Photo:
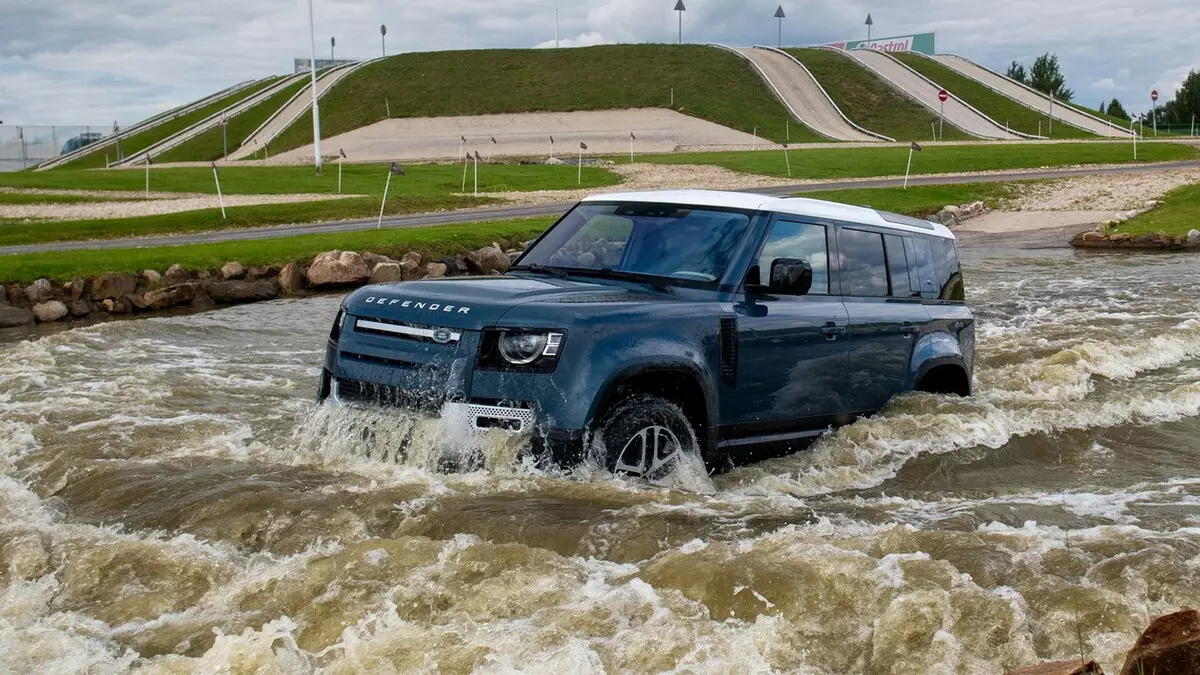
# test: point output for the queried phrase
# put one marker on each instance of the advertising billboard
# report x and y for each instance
(921, 42)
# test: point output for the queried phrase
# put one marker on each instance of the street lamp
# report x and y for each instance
(332, 44)
(870, 22)
(681, 9)
(383, 37)
(779, 14)
(316, 110)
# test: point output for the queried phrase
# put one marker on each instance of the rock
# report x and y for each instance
(176, 275)
(171, 296)
(39, 291)
(82, 308)
(235, 292)
(1073, 667)
(1120, 238)
(513, 256)
(73, 289)
(554, 161)
(257, 273)
(151, 277)
(117, 306)
(16, 294)
(291, 279)
(1130, 215)
(338, 268)
(455, 267)
(410, 270)
(413, 257)
(387, 273)
(1193, 237)
(435, 270)
(3, 295)
(14, 316)
(1171, 644)
(373, 260)
(113, 286)
(487, 260)
(1093, 236)
(233, 270)
(48, 312)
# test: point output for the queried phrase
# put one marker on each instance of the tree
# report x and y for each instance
(1046, 77)
(1101, 107)
(1185, 104)
(1016, 71)
(1115, 109)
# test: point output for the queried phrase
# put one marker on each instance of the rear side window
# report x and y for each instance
(904, 283)
(920, 266)
(948, 271)
(864, 264)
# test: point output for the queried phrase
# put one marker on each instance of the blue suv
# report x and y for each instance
(644, 329)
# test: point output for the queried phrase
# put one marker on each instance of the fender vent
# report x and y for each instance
(729, 351)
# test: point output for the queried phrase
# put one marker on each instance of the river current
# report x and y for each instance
(173, 501)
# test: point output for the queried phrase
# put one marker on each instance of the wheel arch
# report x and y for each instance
(680, 382)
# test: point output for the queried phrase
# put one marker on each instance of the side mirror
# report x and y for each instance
(791, 276)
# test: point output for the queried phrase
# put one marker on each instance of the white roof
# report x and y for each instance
(812, 208)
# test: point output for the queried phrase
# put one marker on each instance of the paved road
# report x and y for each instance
(919, 89)
(801, 93)
(1030, 97)
(545, 210)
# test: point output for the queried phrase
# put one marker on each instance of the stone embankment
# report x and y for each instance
(1106, 236)
(132, 294)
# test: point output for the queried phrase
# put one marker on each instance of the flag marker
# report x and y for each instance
(341, 156)
(477, 158)
(582, 147)
(911, 148)
(394, 170)
(787, 159)
(632, 138)
(147, 176)
(220, 198)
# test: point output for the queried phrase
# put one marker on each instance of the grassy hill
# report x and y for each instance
(1002, 109)
(149, 137)
(868, 100)
(709, 83)
(210, 145)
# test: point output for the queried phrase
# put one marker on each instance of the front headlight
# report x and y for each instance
(524, 349)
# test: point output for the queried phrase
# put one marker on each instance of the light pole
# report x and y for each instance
(556, 24)
(779, 14)
(870, 22)
(332, 44)
(681, 9)
(316, 110)
(383, 37)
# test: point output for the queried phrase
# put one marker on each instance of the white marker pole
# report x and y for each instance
(476, 173)
(631, 147)
(386, 185)
(1134, 140)
(220, 198)
(755, 146)
(147, 176)
(933, 128)
(581, 165)
(339, 175)
(909, 169)
(787, 159)
(466, 158)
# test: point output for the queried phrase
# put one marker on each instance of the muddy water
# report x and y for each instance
(171, 501)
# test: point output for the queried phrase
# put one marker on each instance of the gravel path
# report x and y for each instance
(156, 206)
(1113, 192)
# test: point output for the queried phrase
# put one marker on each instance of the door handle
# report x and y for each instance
(832, 331)
(909, 330)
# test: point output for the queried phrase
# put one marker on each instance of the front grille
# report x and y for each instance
(355, 391)
(383, 361)
(407, 331)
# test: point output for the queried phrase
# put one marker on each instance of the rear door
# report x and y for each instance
(792, 349)
(883, 302)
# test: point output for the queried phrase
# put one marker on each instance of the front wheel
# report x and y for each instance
(646, 437)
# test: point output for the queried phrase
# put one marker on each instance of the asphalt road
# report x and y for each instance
(511, 212)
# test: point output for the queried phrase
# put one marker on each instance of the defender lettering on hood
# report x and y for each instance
(416, 304)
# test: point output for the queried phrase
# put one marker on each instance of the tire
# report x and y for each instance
(645, 437)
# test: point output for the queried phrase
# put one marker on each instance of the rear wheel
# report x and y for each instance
(646, 437)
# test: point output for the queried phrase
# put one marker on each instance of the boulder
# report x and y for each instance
(291, 279)
(151, 277)
(117, 306)
(413, 257)
(1193, 237)
(387, 273)
(16, 294)
(3, 295)
(176, 275)
(513, 255)
(48, 312)
(1072, 667)
(39, 291)
(233, 270)
(14, 316)
(455, 267)
(1120, 238)
(257, 273)
(73, 289)
(487, 260)
(435, 270)
(1093, 236)
(410, 270)
(113, 286)
(171, 296)
(235, 292)
(82, 308)
(1170, 645)
(374, 260)
(338, 268)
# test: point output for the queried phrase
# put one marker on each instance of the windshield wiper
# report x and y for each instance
(619, 275)
(540, 269)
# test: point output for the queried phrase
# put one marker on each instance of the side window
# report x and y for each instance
(920, 266)
(864, 265)
(802, 241)
(948, 276)
(903, 285)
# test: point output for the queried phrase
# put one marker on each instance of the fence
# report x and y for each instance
(24, 146)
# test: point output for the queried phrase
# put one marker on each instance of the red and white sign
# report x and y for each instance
(1154, 96)
(943, 95)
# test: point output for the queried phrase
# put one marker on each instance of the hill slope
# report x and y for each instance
(708, 83)
(210, 145)
(868, 100)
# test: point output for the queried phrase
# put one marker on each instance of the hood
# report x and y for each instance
(473, 303)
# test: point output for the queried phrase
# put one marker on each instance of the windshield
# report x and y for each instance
(654, 240)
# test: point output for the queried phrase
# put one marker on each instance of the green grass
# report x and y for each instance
(1176, 216)
(138, 142)
(868, 100)
(425, 188)
(1002, 109)
(210, 145)
(431, 242)
(866, 162)
(709, 83)
(921, 201)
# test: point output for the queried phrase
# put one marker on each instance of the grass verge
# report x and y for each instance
(868, 100)
(210, 145)
(431, 242)
(1178, 214)
(866, 162)
(708, 83)
(921, 201)
(1002, 109)
(138, 142)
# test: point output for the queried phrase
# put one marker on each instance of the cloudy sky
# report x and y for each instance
(92, 61)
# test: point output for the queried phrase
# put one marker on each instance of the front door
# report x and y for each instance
(792, 349)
